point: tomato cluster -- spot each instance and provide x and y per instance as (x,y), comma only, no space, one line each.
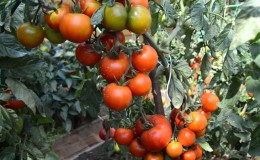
(63,24)
(191,126)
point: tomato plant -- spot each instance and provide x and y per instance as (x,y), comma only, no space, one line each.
(154,156)
(174,149)
(137,149)
(53,36)
(186,137)
(198,122)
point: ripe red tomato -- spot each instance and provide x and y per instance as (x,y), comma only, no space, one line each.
(30,35)
(198,150)
(89,6)
(140,85)
(188,155)
(154,156)
(200,133)
(86,55)
(102,134)
(206,114)
(124,136)
(115,17)
(178,121)
(195,66)
(174,149)
(109,40)
(198,121)
(146,60)
(112,69)
(198,59)
(144,3)
(186,137)
(117,97)
(209,102)
(250,94)
(76,27)
(14,104)
(53,18)
(137,149)
(157,137)
(53,36)
(139,19)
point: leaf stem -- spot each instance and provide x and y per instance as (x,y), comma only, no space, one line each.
(215,14)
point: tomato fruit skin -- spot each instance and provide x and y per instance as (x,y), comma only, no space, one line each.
(30,35)
(198,150)
(186,137)
(200,133)
(109,40)
(86,55)
(146,60)
(76,27)
(154,156)
(198,122)
(174,149)
(112,69)
(53,36)
(139,19)
(140,85)
(117,97)
(88,7)
(137,149)
(178,121)
(115,17)
(156,138)
(14,104)
(209,102)
(144,3)
(206,114)
(124,136)
(53,18)
(102,134)
(195,66)
(188,155)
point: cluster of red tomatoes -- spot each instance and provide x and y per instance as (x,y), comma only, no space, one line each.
(192,126)
(63,24)
(154,138)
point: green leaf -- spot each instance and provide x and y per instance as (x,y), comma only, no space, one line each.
(51,156)
(176,92)
(235,120)
(98,15)
(244,136)
(197,13)
(253,86)
(230,62)
(21,92)
(205,145)
(233,87)
(169,12)
(247,23)
(22,67)
(255,52)
(254,149)
(8,153)
(224,39)
(90,98)
(211,31)
(10,47)
(187,41)
(155,22)
(205,66)
(183,69)
(68,125)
